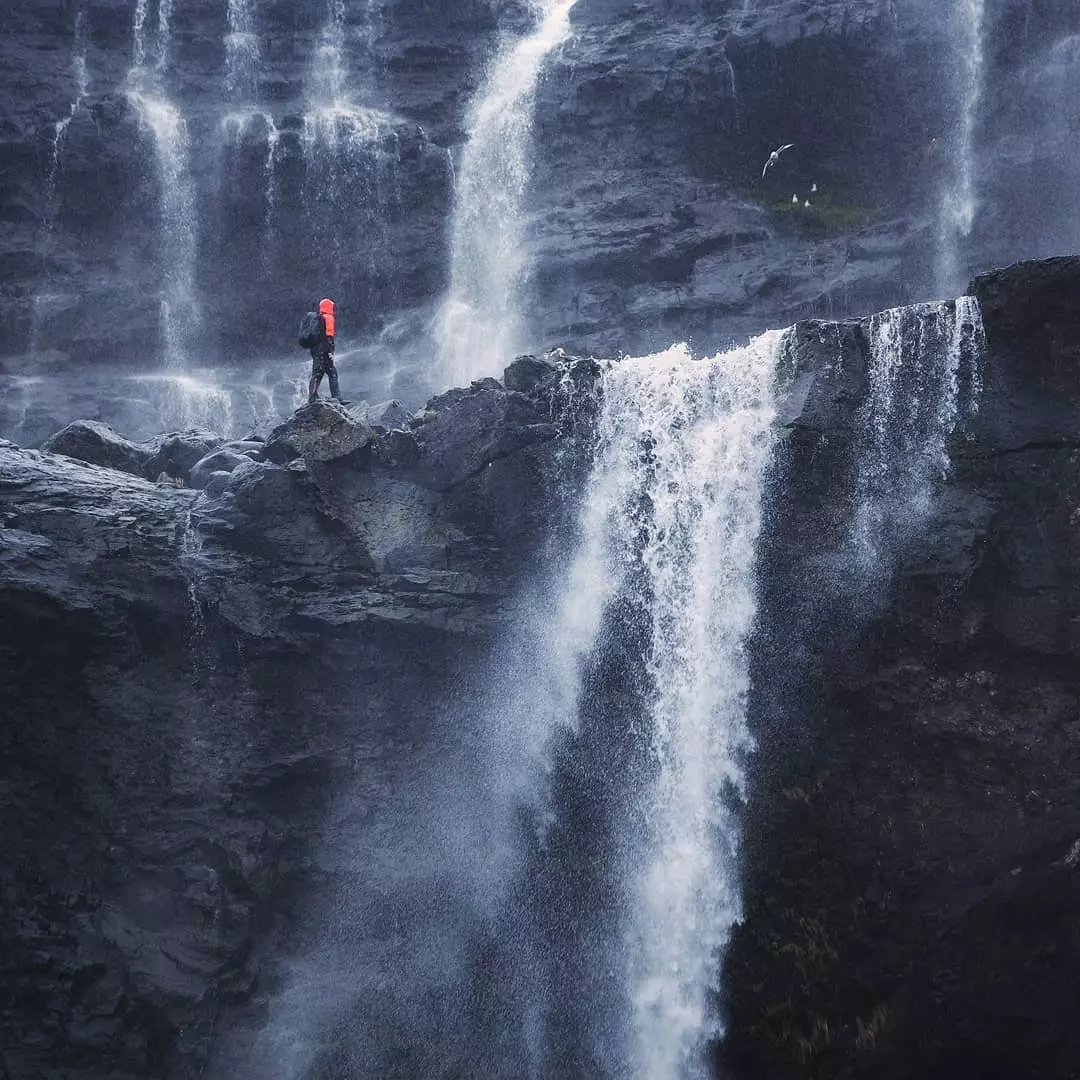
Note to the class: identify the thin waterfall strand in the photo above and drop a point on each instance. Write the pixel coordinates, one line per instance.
(242, 53)
(480, 323)
(81, 76)
(924, 375)
(960, 201)
(179, 312)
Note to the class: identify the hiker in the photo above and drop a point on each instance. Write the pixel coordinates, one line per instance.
(320, 340)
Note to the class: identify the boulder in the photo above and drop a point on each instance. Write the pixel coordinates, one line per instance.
(177, 453)
(389, 414)
(252, 448)
(527, 372)
(6, 444)
(98, 444)
(322, 431)
(223, 460)
(465, 430)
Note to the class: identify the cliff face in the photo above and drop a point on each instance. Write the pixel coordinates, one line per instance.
(912, 862)
(648, 219)
(226, 710)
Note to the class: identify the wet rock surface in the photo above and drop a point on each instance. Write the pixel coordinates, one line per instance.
(910, 893)
(197, 673)
(651, 220)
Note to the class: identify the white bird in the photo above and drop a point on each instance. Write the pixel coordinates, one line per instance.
(794, 200)
(806, 205)
(774, 157)
(813, 189)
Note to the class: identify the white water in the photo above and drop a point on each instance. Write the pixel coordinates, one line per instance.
(242, 53)
(179, 313)
(675, 496)
(479, 326)
(332, 117)
(924, 380)
(960, 201)
(81, 76)
(164, 33)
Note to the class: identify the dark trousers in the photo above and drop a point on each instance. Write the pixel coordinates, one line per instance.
(322, 363)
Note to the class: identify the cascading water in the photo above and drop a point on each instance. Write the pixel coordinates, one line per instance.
(960, 200)
(676, 490)
(479, 323)
(924, 379)
(342, 140)
(242, 53)
(81, 77)
(180, 313)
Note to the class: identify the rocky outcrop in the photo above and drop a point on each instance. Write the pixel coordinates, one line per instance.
(910, 872)
(197, 675)
(97, 444)
(187, 665)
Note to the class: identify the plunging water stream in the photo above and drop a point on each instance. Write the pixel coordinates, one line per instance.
(180, 314)
(960, 201)
(480, 324)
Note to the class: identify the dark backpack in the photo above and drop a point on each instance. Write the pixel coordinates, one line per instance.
(310, 330)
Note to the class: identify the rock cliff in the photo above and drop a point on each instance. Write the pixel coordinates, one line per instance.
(649, 221)
(192, 678)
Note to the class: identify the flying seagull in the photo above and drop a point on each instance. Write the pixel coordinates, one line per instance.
(774, 157)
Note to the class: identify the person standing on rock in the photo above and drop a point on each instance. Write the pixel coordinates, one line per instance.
(322, 354)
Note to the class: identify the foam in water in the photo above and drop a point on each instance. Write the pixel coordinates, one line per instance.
(479, 323)
(924, 379)
(678, 485)
(960, 202)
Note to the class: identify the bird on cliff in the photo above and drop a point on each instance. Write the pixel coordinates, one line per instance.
(794, 200)
(774, 157)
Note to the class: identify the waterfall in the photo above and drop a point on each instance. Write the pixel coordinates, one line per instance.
(81, 77)
(344, 145)
(164, 33)
(924, 379)
(479, 323)
(242, 53)
(161, 119)
(678, 479)
(960, 201)
(332, 115)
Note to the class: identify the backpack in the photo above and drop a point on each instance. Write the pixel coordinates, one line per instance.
(310, 330)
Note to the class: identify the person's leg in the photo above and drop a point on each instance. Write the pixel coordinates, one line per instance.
(316, 378)
(331, 372)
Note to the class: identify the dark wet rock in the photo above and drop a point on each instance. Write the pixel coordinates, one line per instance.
(389, 414)
(464, 431)
(177, 453)
(908, 874)
(397, 449)
(322, 431)
(98, 444)
(526, 372)
(253, 448)
(224, 460)
(198, 675)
